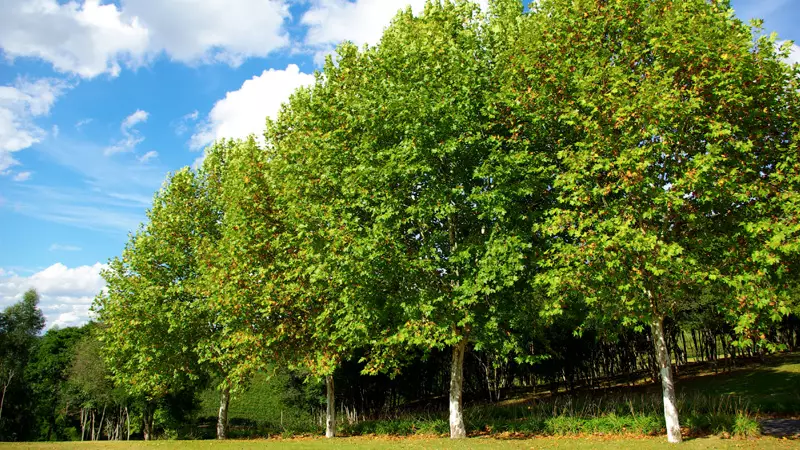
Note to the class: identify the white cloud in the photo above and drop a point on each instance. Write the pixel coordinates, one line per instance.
(82, 123)
(86, 38)
(130, 137)
(111, 197)
(137, 117)
(361, 22)
(148, 156)
(794, 54)
(64, 248)
(22, 176)
(65, 293)
(20, 104)
(90, 37)
(244, 112)
(212, 30)
(181, 125)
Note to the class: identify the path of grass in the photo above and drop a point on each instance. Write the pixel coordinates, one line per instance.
(419, 443)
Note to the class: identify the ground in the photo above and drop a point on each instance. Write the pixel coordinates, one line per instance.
(422, 442)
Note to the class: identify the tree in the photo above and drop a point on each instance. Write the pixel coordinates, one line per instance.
(152, 317)
(47, 375)
(269, 310)
(235, 266)
(102, 406)
(670, 123)
(20, 324)
(389, 166)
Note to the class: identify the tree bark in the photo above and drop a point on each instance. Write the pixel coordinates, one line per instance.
(222, 418)
(5, 387)
(667, 382)
(148, 423)
(457, 429)
(330, 412)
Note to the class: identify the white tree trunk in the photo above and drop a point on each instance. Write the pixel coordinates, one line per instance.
(222, 418)
(5, 387)
(330, 413)
(667, 381)
(457, 429)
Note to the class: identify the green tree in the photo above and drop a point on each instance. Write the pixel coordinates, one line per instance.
(670, 123)
(20, 324)
(102, 406)
(151, 314)
(235, 267)
(47, 375)
(389, 166)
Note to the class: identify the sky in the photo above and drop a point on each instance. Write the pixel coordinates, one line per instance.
(100, 100)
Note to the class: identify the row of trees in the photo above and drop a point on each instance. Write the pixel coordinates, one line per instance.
(463, 183)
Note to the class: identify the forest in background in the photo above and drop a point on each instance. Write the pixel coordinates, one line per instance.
(510, 198)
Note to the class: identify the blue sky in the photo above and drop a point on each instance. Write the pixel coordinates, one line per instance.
(100, 100)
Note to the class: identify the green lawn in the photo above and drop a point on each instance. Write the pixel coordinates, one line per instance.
(773, 387)
(417, 442)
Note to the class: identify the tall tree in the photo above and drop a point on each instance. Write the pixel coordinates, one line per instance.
(20, 324)
(151, 313)
(391, 162)
(47, 374)
(670, 122)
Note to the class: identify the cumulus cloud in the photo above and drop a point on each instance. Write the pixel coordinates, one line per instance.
(362, 22)
(66, 293)
(244, 111)
(86, 38)
(794, 54)
(212, 30)
(130, 136)
(93, 37)
(20, 104)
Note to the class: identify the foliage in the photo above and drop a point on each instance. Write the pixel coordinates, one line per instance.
(47, 375)
(20, 323)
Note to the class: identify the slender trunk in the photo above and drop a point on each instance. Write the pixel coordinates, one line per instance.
(457, 429)
(667, 382)
(100, 425)
(330, 413)
(5, 387)
(128, 421)
(222, 418)
(83, 424)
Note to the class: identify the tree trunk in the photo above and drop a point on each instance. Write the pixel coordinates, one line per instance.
(667, 382)
(128, 421)
(5, 387)
(222, 418)
(83, 424)
(100, 425)
(148, 423)
(330, 413)
(457, 429)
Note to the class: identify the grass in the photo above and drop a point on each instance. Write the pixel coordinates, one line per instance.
(724, 404)
(508, 442)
